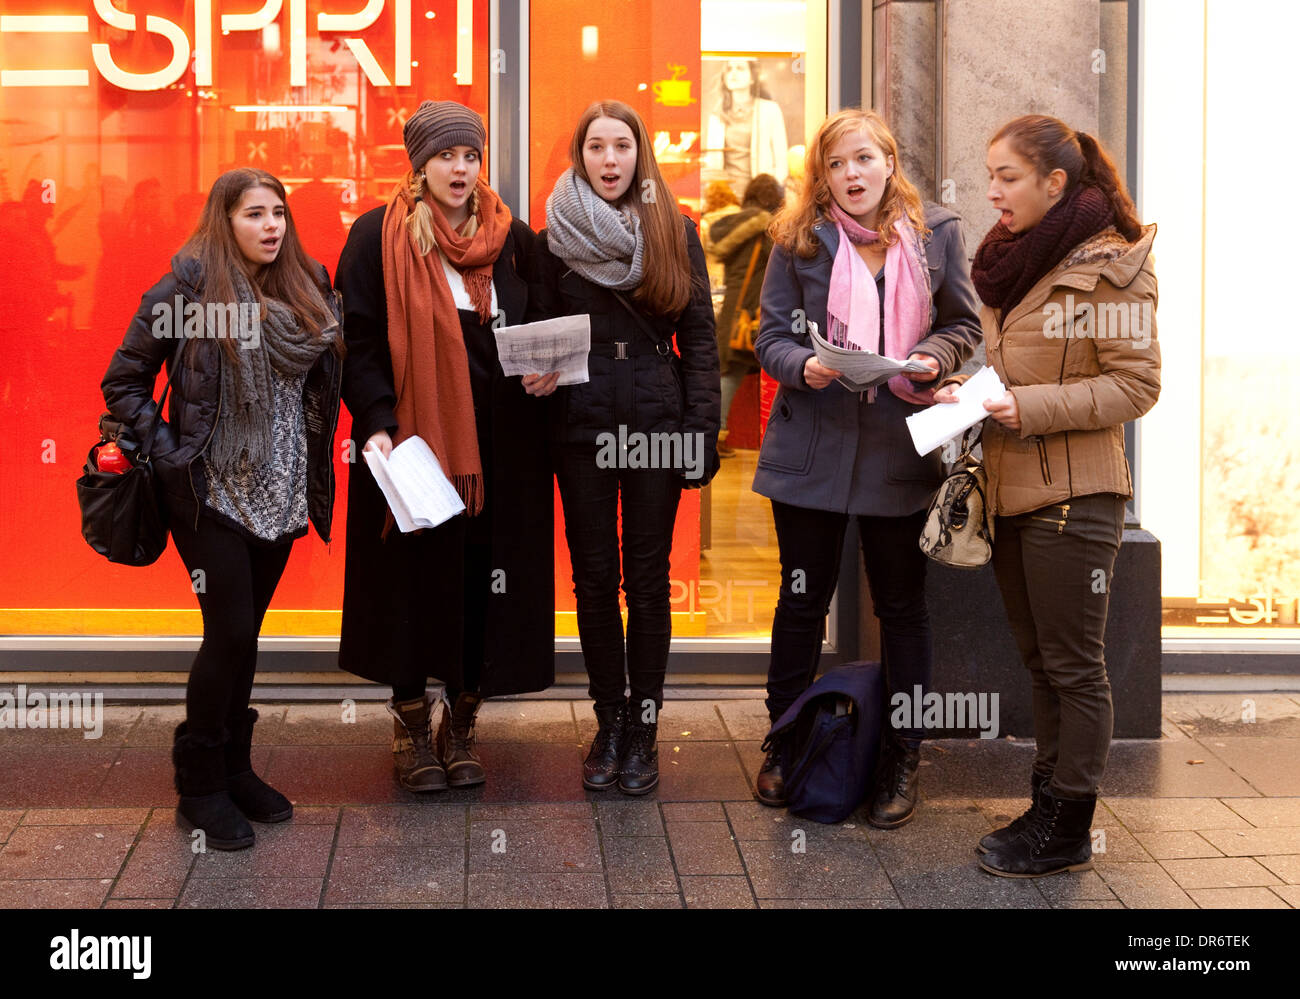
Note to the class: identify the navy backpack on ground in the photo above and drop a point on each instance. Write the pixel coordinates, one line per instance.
(834, 731)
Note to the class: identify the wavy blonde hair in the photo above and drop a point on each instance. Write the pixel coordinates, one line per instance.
(420, 222)
(792, 227)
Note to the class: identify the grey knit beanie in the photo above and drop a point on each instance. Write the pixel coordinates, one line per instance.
(438, 125)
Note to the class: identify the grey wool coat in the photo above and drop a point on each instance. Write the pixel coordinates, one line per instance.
(832, 449)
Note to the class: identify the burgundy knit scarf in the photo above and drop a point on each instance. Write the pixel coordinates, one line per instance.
(1008, 264)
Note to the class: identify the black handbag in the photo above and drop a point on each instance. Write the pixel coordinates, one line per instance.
(122, 514)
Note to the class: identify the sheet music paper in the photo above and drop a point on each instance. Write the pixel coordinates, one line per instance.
(560, 344)
(859, 369)
(943, 421)
(412, 481)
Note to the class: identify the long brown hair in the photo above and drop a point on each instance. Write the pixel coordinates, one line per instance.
(1050, 144)
(666, 287)
(289, 277)
(792, 227)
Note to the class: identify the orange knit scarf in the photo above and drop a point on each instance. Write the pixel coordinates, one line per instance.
(430, 366)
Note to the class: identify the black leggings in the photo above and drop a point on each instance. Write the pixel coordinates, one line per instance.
(237, 582)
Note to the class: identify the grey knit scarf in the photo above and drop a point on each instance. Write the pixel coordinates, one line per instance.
(243, 431)
(603, 244)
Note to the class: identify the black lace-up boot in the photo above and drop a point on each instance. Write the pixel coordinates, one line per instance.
(600, 768)
(455, 746)
(639, 765)
(1001, 837)
(1055, 838)
(769, 788)
(897, 785)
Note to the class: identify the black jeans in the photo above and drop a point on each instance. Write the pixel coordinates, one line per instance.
(1054, 569)
(238, 580)
(591, 496)
(810, 543)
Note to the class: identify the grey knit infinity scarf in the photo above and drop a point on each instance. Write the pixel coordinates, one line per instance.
(243, 431)
(603, 244)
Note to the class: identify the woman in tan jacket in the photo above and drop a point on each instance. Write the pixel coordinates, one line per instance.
(1069, 293)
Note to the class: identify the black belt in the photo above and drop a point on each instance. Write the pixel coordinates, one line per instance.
(621, 350)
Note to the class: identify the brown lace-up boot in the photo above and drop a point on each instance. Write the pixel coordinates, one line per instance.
(455, 746)
(418, 766)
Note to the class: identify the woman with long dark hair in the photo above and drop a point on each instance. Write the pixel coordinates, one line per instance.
(617, 249)
(1069, 293)
(858, 254)
(244, 461)
(426, 279)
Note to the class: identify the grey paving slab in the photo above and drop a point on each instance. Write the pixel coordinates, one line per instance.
(157, 725)
(648, 902)
(28, 782)
(1287, 867)
(9, 818)
(1220, 872)
(335, 775)
(703, 848)
(1170, 730)
(1267, 812)
(967, 887)
(283, 850)
(537, 891)
(960, 768)
(1254, 842)
(527, 771)
(829, 903)
(1079, 886)
(625, 816)
(160, 861)
(70, 727)
(332, 724)
(1156, 769)
(717, 893)
(1206, 715)
(1087, 903)
(429, 823)
(1176, 845)
(825, 870)
(746, 721)
(63, 893)
(252, 893)
(1141, 815)
(65, 851)
(700, 771)
(929, 843)
(86, 816)
(1272, 766)
(315, 815)
(533, 811)
(679, 721)
(529, 721)
(397, 875)
(1237, 898)
(693, 811)
(534, 846)
(639, 865)
(752, 821)
(1113, 842)
(142, 778)
(140, 903)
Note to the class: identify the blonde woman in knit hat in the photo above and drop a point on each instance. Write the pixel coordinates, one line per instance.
(471, 602)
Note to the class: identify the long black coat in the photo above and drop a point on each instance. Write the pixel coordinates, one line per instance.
(403, 598)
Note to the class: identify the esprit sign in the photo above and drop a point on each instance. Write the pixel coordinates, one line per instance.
(200, 46)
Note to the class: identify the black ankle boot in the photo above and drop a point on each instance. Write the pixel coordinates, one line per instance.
(600, 768)
(1056, 838)
(1002, 837)
(205, 802)
(639, 764)
(897, 785)
(257, 799)
(769, 788)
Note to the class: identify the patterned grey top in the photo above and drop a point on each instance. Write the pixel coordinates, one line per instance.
(270, 502)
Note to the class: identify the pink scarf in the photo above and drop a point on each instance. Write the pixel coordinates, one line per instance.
(853, 304)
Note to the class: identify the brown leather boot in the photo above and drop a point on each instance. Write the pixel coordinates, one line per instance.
(455, 746)
(418, 766)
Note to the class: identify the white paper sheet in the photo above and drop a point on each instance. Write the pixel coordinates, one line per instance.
(937, 424)
(559, 344)
(859, 369)
(412, 481)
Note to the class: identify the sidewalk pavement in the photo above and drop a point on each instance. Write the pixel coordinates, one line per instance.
(1207, 816)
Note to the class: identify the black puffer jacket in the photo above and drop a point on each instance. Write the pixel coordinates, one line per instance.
(656, 389)
(195, 399)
